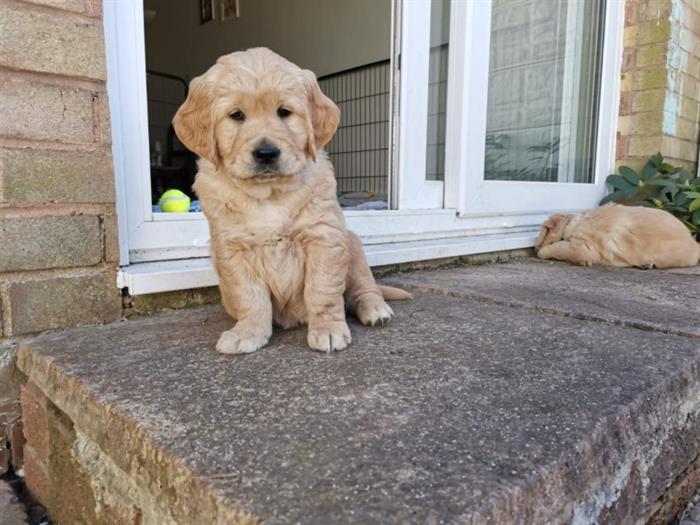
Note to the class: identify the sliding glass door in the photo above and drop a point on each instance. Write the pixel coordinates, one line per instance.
(538, 86)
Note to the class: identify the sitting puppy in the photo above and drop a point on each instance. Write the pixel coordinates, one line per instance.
(279, 241)
(616, 235)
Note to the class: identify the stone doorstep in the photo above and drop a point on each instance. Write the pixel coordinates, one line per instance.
(664, 301)
(473, 406)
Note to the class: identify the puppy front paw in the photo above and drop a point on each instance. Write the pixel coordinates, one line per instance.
(329, 335)
(231, 342)
(373, 310)
(543, 252)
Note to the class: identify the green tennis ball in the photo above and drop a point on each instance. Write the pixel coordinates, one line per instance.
(174, 201)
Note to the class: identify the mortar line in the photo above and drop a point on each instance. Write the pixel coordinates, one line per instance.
(14, 276)
(76, 16)
(18, 142)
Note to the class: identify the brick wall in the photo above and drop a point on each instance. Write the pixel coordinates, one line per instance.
(58, 239)
(660, 99)
(51, 470)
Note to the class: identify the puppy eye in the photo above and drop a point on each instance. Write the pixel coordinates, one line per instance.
(238, 115)
(283, 112)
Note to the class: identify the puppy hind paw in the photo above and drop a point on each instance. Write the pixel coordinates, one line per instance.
(372, 312)
(232, 343)
(329, 337)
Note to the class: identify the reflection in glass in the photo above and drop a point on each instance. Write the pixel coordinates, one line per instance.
(543, 89)
(437, 89)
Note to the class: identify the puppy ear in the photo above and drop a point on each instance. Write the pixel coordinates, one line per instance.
(324, 118)
(544, 230)
(193, 123)
(550, 224)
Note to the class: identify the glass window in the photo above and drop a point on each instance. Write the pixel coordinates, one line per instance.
(437, 89)
(543, 87)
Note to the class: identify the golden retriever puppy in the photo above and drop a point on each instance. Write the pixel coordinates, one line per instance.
(616, 235)
(279, 241)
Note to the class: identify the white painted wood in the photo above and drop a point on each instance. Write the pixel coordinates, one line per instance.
(568, 135)
(163, 276)
(394, 106)
(374, 227)
(414, 191)
(610, 92)
(126, 87)
(466, 189)
(490, 218)
(110, 22)
(151, 236)
(467, 97)
(397, 253)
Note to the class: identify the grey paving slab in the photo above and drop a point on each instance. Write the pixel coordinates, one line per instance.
(456, 412)
(667, 301)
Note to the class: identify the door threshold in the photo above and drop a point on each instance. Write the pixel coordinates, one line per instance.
(182, 274)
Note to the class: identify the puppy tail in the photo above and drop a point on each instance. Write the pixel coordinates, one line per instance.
(394, 294)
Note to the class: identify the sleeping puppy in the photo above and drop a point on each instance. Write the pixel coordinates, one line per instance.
(279, 241)
(616, 235)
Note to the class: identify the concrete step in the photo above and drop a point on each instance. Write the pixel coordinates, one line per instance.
(525, 392)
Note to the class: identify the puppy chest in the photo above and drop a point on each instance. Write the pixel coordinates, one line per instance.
(282, 268)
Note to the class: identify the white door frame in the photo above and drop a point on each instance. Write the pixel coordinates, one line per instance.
(147, 236)
(414, 191)
(472, 219)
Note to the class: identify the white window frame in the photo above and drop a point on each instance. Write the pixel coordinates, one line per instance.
(434, 219)
(466, 190)
(414, 191)
(146, 236)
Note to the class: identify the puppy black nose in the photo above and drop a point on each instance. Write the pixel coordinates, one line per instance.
(266, 153)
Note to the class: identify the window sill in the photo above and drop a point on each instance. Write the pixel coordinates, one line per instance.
(183, 274)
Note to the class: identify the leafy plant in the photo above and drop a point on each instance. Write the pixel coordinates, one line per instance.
(662, 186)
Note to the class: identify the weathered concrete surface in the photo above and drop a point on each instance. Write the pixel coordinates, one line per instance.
(457, 411)
(667, 301)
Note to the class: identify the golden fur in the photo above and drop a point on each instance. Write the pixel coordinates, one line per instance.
(616, 235)
(279, 241)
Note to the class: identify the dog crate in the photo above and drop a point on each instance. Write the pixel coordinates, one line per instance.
(360, 148)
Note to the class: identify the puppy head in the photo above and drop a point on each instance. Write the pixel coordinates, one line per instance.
(256, 116)
(552, 229)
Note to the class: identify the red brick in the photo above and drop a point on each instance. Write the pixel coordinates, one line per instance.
(111, 238)
(35, 421)
(39, 110)
(38, 175)
(631, 12)
(39, 304)
(17, 442)
(628, 59)
(4, 459)
(8, 412)
(622, 147)
(55, 242)
(626, 99)
(36, 476)
(93, 8)
(45, 41)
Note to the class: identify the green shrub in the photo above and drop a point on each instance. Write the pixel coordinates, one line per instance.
(659, 185)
